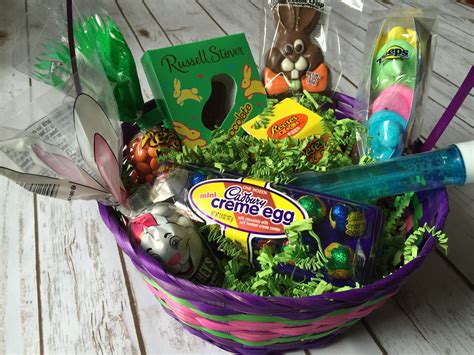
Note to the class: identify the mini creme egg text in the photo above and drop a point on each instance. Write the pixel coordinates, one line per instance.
(246, 203)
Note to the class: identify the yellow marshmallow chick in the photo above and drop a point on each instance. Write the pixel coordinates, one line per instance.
(398, 33)
(406, 34)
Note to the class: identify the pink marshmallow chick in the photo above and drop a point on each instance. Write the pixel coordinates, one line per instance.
(397, 98)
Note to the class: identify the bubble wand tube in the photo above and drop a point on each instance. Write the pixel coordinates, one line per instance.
(450, 166)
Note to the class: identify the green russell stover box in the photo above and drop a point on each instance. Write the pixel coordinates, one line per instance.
(203, 85)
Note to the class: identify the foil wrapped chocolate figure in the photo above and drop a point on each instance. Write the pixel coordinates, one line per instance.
(347, 220)
(142, 153)
(341, 260)
(170, 238)
(295, 63)
(174, 241)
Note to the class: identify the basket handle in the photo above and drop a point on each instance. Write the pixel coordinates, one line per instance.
(72, 47)
(450, 112)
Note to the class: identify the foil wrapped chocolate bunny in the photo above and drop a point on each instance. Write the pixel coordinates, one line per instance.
(295, 62)
(173, 239)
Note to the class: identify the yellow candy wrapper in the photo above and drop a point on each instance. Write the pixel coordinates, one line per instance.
(289, 119)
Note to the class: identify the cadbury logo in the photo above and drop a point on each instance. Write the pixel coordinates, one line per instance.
(244, 208)
(244, 202)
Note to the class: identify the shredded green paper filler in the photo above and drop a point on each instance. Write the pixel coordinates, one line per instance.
(278, 161)
(274, 160)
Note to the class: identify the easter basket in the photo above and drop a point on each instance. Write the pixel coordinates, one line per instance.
(234, 321)
(246, 323)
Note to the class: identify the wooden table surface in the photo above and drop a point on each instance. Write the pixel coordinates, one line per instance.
(66, 288)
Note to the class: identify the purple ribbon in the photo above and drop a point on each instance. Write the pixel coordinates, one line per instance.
(450, 112)
(72, 47)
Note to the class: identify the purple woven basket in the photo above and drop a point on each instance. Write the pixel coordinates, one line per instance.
(245, 323)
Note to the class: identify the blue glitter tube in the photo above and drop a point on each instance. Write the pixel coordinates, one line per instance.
(450, 166)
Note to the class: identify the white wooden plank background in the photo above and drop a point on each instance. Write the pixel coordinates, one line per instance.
(66, 288)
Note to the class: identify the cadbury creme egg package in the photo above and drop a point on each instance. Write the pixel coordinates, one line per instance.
(254, 213)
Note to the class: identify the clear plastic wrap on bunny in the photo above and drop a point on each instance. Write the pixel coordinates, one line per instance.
(395, 79)
(301, 49)
(61, 137)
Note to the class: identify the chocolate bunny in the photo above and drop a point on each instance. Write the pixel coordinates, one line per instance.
(295, 63)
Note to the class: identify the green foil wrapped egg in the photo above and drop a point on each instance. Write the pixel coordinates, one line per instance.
(340, 263)
(346, 220)
(315, 207)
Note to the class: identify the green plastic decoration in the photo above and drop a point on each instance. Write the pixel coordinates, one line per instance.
(94, 37)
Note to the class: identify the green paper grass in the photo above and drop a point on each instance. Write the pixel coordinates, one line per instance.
(278, 161)
(273, 160)
(266, 114)
(239, 276)
(414, 241)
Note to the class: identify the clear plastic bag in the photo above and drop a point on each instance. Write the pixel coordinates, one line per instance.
(301, 48)
(62, 136)
(395, 79)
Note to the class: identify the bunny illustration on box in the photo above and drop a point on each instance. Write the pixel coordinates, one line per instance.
(251, 87)
(190, 137)
(182, 95)
(295, 63)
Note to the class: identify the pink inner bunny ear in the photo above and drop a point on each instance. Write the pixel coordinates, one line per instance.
(89, 119)
(108, 167)
(65, 168)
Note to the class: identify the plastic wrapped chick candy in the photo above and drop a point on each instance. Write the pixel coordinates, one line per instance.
(342, 235)
(399, 59)
(174, 240)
